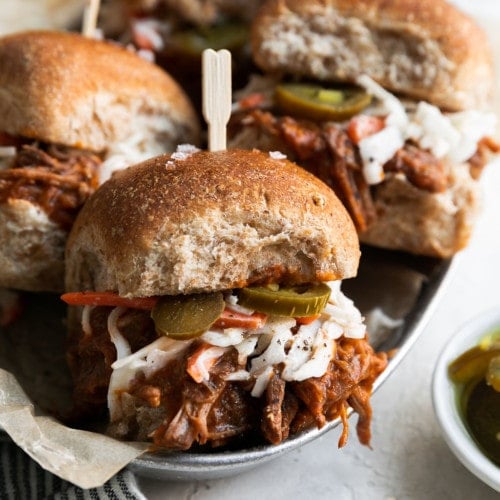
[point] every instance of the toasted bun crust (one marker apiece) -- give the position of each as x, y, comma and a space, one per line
416, 221
32, 249
211, 221
426, 49
67, 89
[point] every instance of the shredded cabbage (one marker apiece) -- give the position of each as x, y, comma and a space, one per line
451, 136
304, 354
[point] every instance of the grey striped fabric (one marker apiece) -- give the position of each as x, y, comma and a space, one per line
23, 479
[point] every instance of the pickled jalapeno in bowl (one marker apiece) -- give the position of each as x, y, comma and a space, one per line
466, 396
476, 374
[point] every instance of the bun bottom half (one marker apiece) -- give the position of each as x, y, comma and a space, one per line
423, 223
32, 249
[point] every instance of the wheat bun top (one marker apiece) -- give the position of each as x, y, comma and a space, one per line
210, 221
68, 89
425, 49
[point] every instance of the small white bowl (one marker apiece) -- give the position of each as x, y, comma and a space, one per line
445, 402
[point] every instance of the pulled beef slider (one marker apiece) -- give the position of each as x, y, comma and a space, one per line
206, 304
196, 12
176, 32
72, 110
405, 166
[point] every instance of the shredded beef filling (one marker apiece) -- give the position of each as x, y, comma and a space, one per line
481, 157
326, 150
56, 178
90, 356
173, 411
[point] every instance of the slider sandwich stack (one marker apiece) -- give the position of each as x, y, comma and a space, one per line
205, 303
383, 100
166, 16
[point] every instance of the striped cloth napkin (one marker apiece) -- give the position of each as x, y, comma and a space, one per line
21, 478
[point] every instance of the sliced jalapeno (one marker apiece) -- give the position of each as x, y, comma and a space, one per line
493, 373
317, 103
223, 36
186, 316
294, 301
472, 364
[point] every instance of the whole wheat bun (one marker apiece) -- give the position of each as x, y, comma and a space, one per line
407, 218
423, 223
67, 89
210, 221
425, 49
32, 249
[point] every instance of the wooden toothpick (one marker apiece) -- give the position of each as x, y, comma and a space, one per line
90, 15
216, 70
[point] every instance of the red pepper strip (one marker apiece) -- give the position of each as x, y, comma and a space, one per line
202, 360
251, 101
233, 319
110, 299
362, 126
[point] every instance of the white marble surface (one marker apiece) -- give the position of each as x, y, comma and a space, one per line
409, 459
